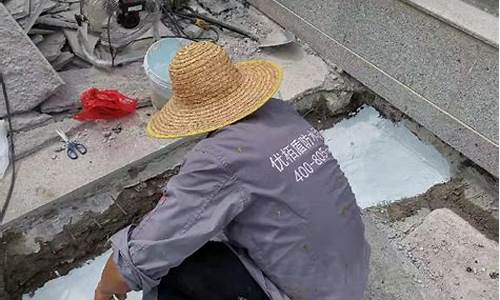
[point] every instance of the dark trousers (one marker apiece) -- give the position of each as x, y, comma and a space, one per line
213, 272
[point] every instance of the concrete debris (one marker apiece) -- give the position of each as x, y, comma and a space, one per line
28, 142
217, 7
62, 60
67, 15
79, 63
41, 31
59, 8
29, 120
49, 5
51, 45
37, 7
302, 72
37, 38
337, 101
464, 259
193, 30
129, 79
49, 20
29, 77
18, 8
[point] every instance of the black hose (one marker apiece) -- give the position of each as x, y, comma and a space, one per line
12, 151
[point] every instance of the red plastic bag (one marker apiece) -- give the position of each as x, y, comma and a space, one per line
104, 105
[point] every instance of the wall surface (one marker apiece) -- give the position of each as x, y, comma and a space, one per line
441, 76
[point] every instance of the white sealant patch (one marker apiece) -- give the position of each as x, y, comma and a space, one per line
384, 161
78, 284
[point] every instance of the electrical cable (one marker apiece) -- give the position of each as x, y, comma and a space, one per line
111, 50
12, 155
173, 20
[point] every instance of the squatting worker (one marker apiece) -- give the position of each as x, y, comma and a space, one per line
263, 177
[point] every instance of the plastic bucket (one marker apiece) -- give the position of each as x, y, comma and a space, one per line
156, 64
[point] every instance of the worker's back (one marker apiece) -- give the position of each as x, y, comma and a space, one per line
301, 225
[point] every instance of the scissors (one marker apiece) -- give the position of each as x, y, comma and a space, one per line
72, 148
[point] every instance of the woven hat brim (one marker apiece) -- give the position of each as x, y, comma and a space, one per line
261, 80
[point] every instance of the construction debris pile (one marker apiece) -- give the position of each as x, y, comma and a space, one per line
50, 25
46, 69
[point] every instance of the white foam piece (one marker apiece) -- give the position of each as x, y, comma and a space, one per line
78, 284
384, 161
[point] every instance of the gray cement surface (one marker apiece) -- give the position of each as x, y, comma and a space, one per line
392, 276
17, 8
489, 6
443, 78
29, 120
129, 79
29, 78
460, 259
52, 45
48, 174
302, 72
62, 60
28, 142
37, 7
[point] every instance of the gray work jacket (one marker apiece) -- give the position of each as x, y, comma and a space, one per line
269, 183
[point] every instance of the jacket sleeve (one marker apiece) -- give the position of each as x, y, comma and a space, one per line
197, 204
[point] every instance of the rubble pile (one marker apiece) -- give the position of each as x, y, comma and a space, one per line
48, 24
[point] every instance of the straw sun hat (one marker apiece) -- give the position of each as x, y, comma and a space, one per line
210, 92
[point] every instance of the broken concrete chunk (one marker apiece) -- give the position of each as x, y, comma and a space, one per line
36, 10
18, 8
62, 60
337, 101
302, 73
28, 76
456, 255
41, 31
216, 7
49, 20
67, 15
129, 79
28, 142
29, 120
58, 8
37, 38
51, 46
48, 5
